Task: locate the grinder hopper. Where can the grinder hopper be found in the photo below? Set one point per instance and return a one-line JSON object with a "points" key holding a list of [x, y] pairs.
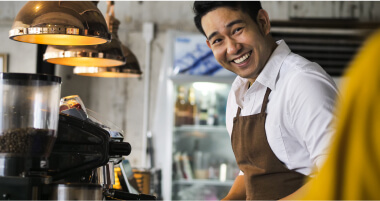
{"points": [[29, 108]]}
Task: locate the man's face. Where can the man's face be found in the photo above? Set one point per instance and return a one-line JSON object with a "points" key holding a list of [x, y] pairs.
{"points": [[238, 43]]}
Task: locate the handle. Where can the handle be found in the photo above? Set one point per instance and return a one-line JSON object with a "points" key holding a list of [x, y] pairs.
{"points": [[119, 148]]}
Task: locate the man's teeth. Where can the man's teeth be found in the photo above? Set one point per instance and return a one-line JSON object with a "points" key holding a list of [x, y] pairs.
{"points": [[243, 58]]}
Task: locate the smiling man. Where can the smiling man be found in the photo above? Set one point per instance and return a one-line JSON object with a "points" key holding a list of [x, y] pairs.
{"points": [[280, 106]]}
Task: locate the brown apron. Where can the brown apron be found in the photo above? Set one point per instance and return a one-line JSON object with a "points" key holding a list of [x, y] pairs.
{"points": [[265, 176]]}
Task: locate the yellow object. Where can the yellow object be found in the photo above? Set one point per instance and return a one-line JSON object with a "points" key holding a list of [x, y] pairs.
{"points": [[352, 169], [142, 177], [59, 39], [117, 184], [85, 61]]}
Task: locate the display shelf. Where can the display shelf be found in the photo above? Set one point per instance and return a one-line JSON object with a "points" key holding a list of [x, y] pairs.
{"points": [[198, 147], [181, 79], [208, 182], [201, 128]]}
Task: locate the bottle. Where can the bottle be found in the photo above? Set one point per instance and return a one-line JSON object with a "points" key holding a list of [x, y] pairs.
{"points": [[223, 171], [210, 118], [203, 116], [197, 159], [180, 107], [191, 107], [212, 170], [188, 173], [216, 119], [212, 113], [203, 113]]}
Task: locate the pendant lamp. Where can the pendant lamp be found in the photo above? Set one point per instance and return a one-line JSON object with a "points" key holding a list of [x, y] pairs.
{"points": [[130, 69], [60, 23], [103, 55]]}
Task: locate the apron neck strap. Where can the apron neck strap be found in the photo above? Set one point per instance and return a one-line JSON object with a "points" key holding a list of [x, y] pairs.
{"points": [[265, 101], [264, 105], [238, 112]]}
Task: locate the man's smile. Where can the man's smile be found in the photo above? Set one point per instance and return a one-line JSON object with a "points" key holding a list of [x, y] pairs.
{"points": [[242, 58]]}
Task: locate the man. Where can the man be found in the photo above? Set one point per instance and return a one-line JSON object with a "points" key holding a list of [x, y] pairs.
{"points": [[280, 105]]}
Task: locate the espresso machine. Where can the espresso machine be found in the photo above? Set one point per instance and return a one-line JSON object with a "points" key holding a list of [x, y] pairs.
{"points": [[52, 148]]}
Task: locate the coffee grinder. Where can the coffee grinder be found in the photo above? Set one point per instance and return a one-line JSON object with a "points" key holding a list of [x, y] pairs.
{"points": [[48, 155]]}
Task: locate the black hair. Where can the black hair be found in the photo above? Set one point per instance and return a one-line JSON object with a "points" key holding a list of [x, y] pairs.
{"points": [[201, 8]]}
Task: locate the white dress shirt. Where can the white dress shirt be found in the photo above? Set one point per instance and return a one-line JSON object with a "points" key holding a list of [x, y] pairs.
{"points": [[299, 111]]}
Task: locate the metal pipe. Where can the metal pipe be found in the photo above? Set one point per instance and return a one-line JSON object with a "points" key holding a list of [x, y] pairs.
{"points": [[148, 29]]}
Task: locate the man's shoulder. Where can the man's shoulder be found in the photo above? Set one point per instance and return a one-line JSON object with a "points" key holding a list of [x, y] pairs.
{"points": [[296, 62], [299, 72], [296, 66]]}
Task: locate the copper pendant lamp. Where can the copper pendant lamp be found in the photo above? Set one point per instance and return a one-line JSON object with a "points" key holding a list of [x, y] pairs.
{"points": [[103, 55], [60, 23], [130, 69]]}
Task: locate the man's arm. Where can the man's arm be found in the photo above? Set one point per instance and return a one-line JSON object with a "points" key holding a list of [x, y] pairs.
{"points": [[237, 191], [298, 194], [311, 112]]}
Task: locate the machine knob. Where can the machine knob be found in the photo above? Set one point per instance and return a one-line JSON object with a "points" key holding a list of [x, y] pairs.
{"points": [[119, 148]]}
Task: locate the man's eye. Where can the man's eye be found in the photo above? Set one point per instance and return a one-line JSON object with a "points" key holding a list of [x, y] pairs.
{"points": [[237, 30], [216, 41]]}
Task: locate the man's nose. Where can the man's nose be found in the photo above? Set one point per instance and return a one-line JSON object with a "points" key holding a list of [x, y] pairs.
{"points": [[233, 47]]}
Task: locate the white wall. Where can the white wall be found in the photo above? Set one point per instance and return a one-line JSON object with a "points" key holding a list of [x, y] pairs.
{"points": [[22, 56]]}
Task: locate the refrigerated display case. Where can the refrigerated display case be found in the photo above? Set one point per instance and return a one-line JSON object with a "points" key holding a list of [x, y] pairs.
{"points": [[193, 147], [203, 162], [203, 166]]}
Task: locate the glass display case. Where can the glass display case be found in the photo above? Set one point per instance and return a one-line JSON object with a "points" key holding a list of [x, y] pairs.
{"points": [[203, 163], [203, 167], [195, 149]]}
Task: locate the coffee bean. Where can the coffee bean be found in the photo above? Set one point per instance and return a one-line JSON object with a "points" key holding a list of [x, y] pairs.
{"points": [[27, 141]]}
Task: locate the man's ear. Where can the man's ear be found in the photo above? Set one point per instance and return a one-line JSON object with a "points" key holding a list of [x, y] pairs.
{"points": [[208, 44], [263, 22]]}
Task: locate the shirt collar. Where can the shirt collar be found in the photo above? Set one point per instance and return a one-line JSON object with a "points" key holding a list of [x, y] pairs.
{"points": [[269, 74]]}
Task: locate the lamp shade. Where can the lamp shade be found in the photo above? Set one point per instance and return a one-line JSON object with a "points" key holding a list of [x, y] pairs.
{"points": [[60, 23], [103, 55], [110, 72], [129, 70]]}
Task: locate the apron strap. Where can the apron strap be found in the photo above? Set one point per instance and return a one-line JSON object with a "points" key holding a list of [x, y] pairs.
{"points": [[265, 101], [238, 112], [263, 107]]}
